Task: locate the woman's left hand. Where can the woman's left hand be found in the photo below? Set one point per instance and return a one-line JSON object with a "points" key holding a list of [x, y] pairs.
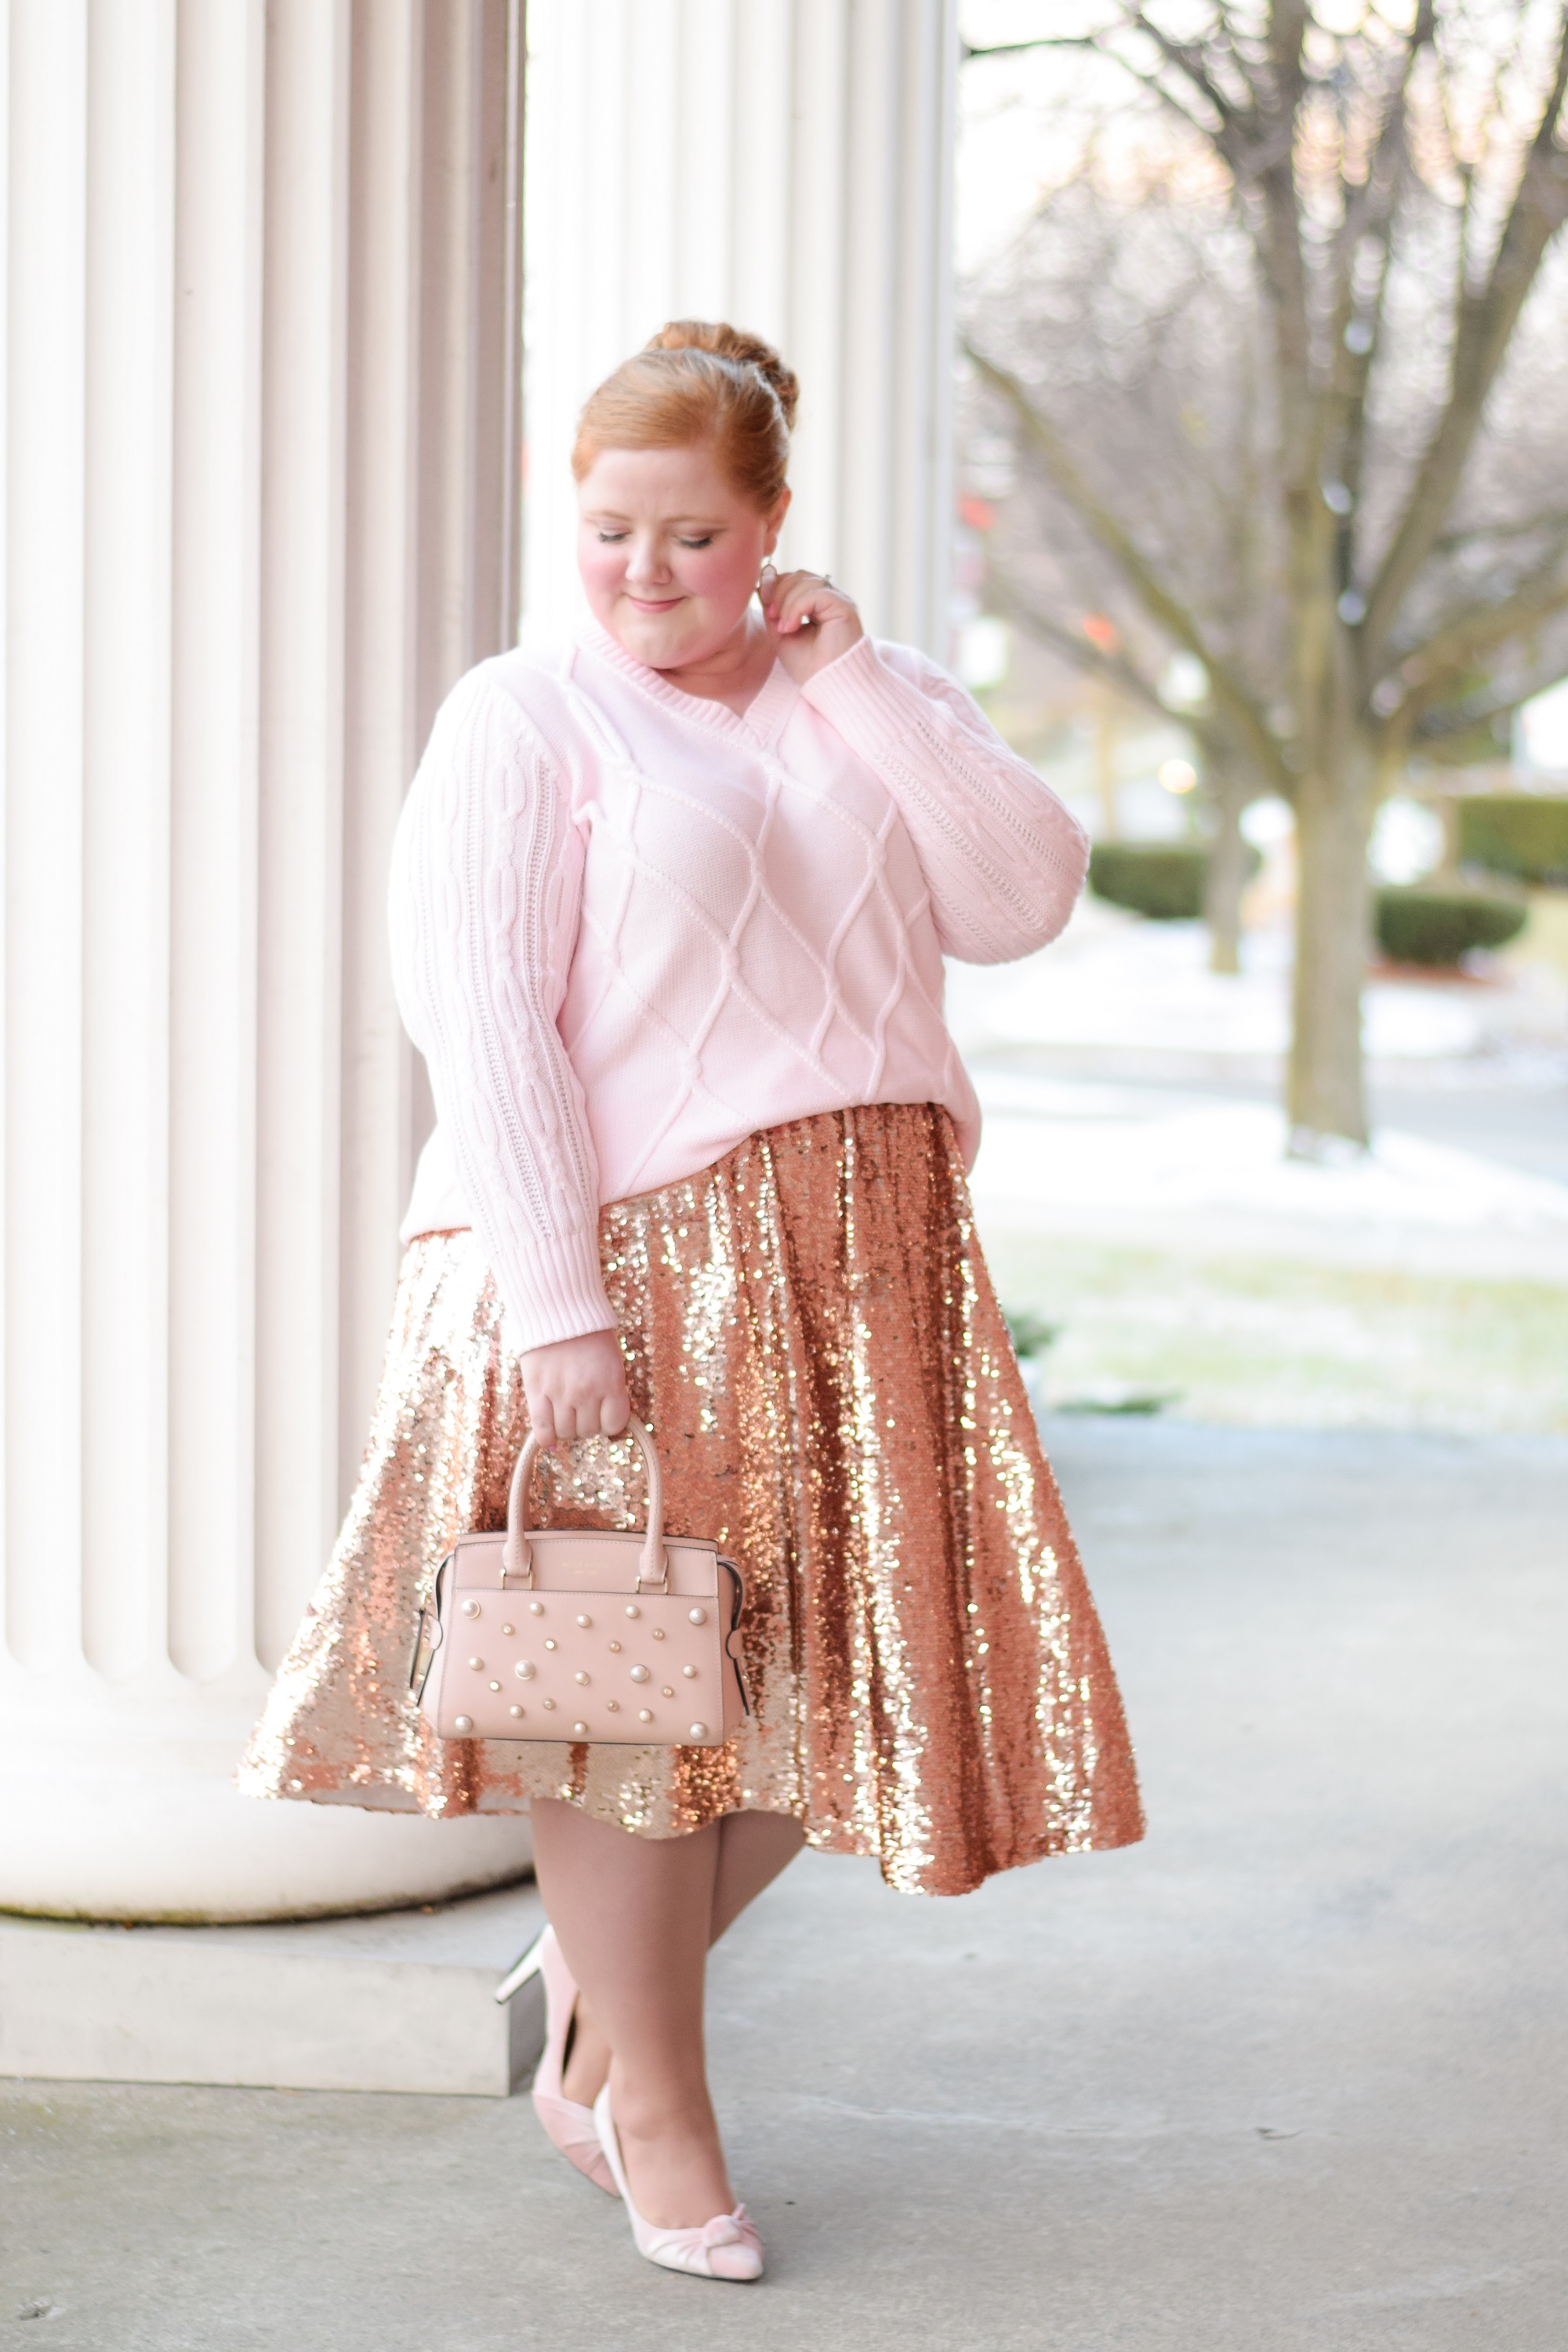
{"points": [[810, 621]]}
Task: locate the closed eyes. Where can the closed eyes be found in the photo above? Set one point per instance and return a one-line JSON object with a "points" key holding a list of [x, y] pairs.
{"points": [[614, 538]]}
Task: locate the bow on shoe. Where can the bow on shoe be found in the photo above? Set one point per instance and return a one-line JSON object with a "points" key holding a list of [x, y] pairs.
{"points": [[727, 2247]]}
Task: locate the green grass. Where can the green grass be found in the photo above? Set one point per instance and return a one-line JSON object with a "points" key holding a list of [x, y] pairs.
{"points": [[1278, 1343]]}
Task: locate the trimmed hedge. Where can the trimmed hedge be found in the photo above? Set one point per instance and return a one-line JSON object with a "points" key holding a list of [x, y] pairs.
{"points": [[1162, 879], [1031, 1335], [1524, 834], [1438, 927]]}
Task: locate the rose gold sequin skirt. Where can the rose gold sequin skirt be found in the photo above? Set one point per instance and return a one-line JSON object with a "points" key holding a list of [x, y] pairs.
{"points": [[811, 1336]]}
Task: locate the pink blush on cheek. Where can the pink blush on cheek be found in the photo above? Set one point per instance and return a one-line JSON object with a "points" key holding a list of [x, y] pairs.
{"points": [[723, 576], [709, 588], [602, 568]]}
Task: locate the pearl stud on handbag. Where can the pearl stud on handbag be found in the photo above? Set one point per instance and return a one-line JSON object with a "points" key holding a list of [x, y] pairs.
{"points": [[569, 1633]]}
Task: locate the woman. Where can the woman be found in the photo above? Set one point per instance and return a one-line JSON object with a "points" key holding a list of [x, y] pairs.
{"points": [[669, 902]]}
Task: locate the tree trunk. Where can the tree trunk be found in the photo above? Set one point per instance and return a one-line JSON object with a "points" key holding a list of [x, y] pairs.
{"points": [[1324, 1096], [1225, 877], [1105, 764]]}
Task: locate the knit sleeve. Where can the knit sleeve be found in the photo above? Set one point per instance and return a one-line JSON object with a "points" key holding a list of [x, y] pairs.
{"points": [[485, 887], [1004, 858]]}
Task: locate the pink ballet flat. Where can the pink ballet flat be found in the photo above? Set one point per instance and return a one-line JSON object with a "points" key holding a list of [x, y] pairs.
{"points": [[569, 2127], [728, 2247]]}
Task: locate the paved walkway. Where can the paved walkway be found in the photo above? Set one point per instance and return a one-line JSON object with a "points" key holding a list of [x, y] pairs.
{"points": [[1290, 2075]]}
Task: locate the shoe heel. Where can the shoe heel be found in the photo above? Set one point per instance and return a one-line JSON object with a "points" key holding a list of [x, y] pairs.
{"points": [[528, 1964], [570, 2128]]}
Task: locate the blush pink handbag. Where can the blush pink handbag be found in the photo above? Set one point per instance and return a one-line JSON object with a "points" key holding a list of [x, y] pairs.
{"points": [[571, 1634]]}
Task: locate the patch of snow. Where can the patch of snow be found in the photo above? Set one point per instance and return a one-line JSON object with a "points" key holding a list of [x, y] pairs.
{"points": [[1058, 1144], [1152, 1168], [1115, 982]]}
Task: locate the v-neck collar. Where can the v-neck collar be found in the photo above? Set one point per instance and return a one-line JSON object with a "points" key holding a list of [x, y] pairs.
{"points": [[759, 722]]}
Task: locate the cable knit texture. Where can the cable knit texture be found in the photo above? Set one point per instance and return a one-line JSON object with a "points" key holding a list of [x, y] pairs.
{"points": [[630, 929]]}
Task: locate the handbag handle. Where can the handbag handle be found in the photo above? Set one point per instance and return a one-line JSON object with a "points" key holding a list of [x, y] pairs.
{"points": [[653, 1564]]}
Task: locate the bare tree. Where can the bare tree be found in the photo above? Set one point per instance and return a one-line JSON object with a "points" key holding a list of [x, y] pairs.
{"points": [[1141, 324], [1398, 177]]}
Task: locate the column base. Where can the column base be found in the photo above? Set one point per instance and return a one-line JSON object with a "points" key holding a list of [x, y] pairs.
{"points": [[186, 1848]]}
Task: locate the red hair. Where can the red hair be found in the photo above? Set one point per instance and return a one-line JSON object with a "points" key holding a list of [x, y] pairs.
{"points": [[698, 385]]}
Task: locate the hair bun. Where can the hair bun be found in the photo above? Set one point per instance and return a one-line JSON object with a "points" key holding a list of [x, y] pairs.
{"points": [[728, 342]]}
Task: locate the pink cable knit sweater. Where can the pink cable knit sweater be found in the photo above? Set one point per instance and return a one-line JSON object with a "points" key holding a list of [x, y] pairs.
{"points": [[630, 929]]}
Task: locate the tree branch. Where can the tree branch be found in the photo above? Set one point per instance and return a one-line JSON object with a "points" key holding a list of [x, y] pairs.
{"points": [[1452, 540], [1080, 651], [1485, 323], [1158, 603], [1371, 215], [1188, 59], [1214, 741], [1449, 650], [1438, 720], [967, 49]]}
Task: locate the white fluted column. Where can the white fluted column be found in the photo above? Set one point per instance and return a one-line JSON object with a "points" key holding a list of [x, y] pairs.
{"points": [[785, 164], [260, 477]]}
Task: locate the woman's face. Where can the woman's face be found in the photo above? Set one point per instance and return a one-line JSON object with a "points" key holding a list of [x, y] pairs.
{"points": [[669, 552]]}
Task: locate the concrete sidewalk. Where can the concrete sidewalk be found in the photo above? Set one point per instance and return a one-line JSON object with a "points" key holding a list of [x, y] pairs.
{"points": [[1291, 2074]]}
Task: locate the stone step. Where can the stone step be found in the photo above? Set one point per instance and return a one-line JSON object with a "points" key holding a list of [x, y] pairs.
{"points": [[400, 2000]]}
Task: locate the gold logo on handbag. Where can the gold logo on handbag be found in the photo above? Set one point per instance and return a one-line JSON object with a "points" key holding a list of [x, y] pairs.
{"points": [[583, 1633]]}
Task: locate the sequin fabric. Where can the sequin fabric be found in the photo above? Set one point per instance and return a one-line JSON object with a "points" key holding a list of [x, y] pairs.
{"points": [[811, 1335]]}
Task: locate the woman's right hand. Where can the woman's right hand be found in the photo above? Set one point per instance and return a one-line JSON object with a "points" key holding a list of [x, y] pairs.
{"points": [[576, 1388]]}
